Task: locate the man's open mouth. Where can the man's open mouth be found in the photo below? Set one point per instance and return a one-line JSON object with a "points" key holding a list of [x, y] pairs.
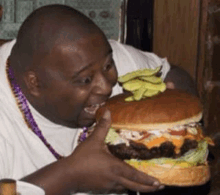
{"points": [[93, 108]]}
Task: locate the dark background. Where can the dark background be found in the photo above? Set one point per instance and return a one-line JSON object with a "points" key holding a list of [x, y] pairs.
{"points": [[140, 24]]}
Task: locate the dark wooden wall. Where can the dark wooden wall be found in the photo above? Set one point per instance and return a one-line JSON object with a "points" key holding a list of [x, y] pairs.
{"points": [[140, 24], [176, 32], [210, 85], [188, 34]]}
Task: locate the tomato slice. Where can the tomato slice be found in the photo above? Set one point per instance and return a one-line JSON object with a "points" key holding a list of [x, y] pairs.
{"points": [[180, 133], [145, 135]]}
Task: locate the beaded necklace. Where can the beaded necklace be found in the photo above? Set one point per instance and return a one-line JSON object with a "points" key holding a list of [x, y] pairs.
{"points": [[27, 115]]}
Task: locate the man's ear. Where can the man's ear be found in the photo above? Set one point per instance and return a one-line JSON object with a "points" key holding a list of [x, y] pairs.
{"points": [[32, 83]]}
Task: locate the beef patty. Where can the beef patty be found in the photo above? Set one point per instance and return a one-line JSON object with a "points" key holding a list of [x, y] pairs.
{"points": [[140, 151]]}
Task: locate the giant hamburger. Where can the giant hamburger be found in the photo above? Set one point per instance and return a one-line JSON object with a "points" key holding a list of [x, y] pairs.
{"points": [[160, 136]]}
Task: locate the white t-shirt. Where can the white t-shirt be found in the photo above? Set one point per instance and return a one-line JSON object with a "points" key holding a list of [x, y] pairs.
{"points": [[21, 151]]}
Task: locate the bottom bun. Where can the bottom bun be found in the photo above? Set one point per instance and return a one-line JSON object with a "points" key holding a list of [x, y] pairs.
{"points": [[176, 176]]}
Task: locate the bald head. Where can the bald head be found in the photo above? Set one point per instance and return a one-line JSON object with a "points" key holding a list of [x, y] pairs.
{"points": [[45, 28], [63, 63]]}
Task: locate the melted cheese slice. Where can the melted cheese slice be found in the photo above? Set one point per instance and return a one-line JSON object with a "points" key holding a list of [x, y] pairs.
{"points": [[176, 140]]}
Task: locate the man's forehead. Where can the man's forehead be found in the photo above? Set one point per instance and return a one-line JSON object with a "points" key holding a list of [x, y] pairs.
{"points": [[80, 55], [68, 48], [94, 44]]}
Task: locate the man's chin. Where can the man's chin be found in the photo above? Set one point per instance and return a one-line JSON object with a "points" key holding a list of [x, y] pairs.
{"points": [[79, 123], [86, 123]]}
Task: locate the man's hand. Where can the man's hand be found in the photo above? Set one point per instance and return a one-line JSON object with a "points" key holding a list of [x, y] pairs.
{"points": [[177, 78], [91, 168], [170, 85], [96, 170]]}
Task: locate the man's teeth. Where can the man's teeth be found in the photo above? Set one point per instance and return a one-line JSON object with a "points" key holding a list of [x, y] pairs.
{"points": [[92, 109]]}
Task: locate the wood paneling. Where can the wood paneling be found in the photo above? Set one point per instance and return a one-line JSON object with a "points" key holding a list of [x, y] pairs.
{"points": [[203, 45], [211, 92], [176, 25], [187, 32]]}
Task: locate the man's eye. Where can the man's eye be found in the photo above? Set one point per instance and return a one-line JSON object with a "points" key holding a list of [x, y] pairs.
{"points": [[108, 67], [85, 80]]}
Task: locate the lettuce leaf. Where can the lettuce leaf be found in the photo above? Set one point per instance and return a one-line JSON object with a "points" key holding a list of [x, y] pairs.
{"points": [[112, 136], [198, 155]]}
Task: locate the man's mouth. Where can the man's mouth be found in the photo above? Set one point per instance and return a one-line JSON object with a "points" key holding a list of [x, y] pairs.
{"points": [[93, 108]]}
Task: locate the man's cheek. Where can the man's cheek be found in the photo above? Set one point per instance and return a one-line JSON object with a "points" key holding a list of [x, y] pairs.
{"points": [[76, 109]]}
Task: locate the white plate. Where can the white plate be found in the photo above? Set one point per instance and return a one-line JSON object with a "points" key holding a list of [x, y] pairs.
{"points": [[24, 188]]}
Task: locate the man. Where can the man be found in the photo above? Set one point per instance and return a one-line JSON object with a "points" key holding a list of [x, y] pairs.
{"points": [[59, 71]]}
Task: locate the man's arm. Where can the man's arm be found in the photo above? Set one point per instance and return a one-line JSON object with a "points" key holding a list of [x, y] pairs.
{"points": [[180, 79]]}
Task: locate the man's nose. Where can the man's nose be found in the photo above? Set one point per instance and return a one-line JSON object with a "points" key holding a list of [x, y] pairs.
{"points": [[103, 86]]}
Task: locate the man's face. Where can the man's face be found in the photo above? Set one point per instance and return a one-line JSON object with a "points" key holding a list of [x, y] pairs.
{"points": [[75, 79]]}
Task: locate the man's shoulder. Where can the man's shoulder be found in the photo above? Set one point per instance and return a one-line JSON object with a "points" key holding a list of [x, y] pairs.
{"points": [[117, 44], [125, 49], [3, 41], [6, 45], [5, 51]]}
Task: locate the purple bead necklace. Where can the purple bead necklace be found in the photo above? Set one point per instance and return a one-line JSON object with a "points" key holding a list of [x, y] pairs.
{"points": [[28, 117]]}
